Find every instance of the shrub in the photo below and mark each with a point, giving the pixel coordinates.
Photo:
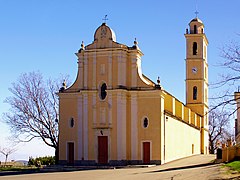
(46, 160)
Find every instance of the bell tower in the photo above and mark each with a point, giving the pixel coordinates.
(197, 76)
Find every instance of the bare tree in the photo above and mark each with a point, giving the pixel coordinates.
(231, 55)
(7, 151)
(34, 109)
(219, 130)
(229, 80)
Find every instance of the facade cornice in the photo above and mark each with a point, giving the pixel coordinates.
(103, 51)
(203, 35)
(197, 104)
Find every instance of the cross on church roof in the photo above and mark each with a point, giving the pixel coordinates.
(105, 19)
(196, 12)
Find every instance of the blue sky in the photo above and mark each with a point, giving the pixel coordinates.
(44, 35)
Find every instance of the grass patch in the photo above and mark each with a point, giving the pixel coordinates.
(21, 169)
(235, 165)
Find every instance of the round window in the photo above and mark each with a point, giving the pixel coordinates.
(103, 92)
(145, 122)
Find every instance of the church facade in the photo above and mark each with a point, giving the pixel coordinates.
(113, 114)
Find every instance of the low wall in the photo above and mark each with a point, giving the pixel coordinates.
(230, 153)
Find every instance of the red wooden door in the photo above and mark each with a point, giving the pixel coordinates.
(70, 153)
(146, 152)
(102, 149)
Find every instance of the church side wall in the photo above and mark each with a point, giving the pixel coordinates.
(181, 140)
(182, 133)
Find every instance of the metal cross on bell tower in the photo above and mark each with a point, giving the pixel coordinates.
(196, 12)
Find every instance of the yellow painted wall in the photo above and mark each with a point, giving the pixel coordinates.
(199, 119)
(179, 109)
(193, 118)
(67, 133)
(152, 132)
(186, 114)
(168, 103)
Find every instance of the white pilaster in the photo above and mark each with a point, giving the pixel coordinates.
(110, 71)
(134, 72)
(173, 106)
(80, 71)
(109, 109)
(85, 125)
(134, 128)
(121, 126)
(124, 126)
(80, 127)
(85, 63)
(94, 109)
(119, 69)
(122, 69)
(94, 70)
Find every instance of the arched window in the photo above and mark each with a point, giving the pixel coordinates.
(195, 29)
(194, 48)
(103, 92)
(195, 93)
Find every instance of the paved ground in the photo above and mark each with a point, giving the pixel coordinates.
(195, 167)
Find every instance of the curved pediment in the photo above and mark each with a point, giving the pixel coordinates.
(104, 37)
(104, 32)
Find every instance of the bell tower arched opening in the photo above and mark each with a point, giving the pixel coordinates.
(195, 29)
(195, 93)
(195, 48)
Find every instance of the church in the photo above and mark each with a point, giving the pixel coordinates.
(115, 115)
